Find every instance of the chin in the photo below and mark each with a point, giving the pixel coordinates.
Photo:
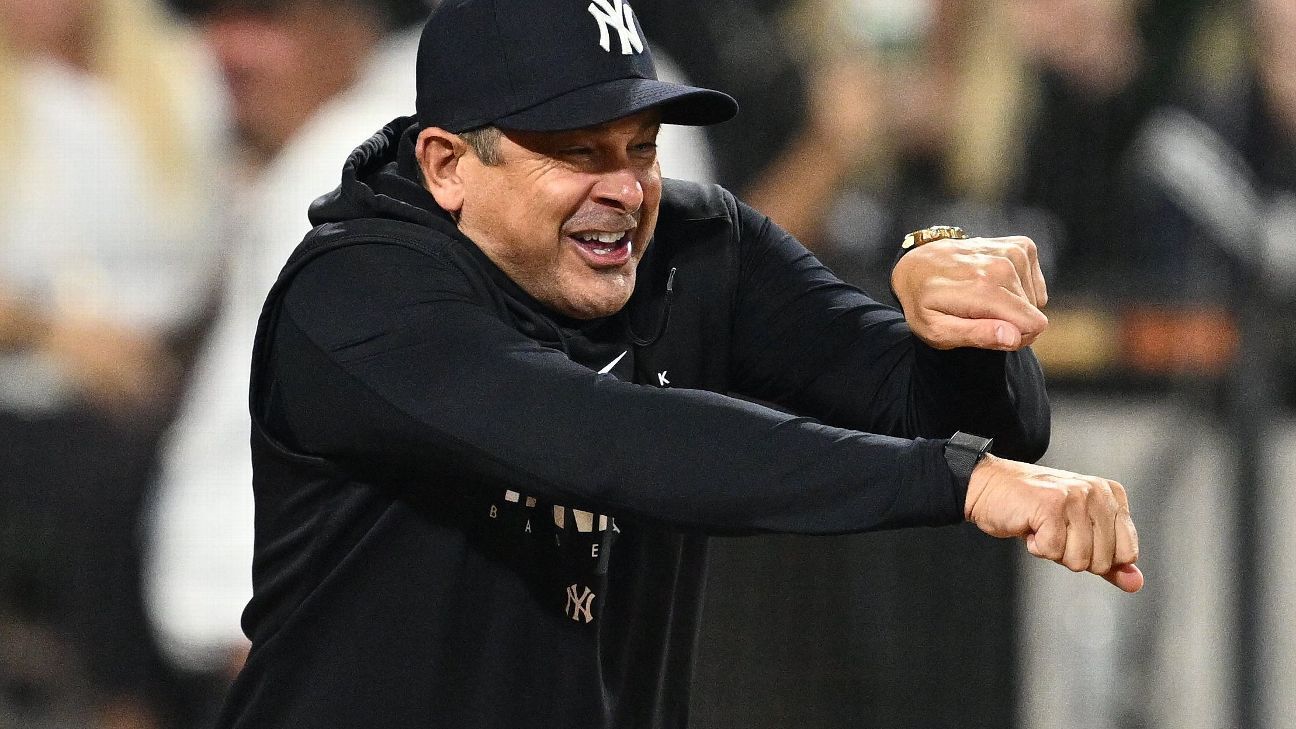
(599, 305)
(590, 294)
(595, 309)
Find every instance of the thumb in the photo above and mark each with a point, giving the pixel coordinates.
(951, 331)
(1127, 577)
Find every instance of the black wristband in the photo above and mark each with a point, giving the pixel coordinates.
(964, 451)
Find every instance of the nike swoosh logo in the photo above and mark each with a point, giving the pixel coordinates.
(613, 363)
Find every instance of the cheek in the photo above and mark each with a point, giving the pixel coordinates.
(652, 188)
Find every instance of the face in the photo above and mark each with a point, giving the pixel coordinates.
(568, 215)
(282, 65)
(45, 26)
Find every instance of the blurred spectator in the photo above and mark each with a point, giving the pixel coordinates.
(308, 81)
(1088, 56)
(1214, 175)
(733, 45)
(108, 128)
(1093, 71)
(802, 132)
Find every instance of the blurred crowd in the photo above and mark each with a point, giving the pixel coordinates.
(159, 159)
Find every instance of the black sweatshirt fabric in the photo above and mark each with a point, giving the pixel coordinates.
(473, 512)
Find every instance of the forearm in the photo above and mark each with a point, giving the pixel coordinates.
(908, 389)
(998, 395)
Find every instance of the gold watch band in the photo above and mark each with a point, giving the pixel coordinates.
(935, 232)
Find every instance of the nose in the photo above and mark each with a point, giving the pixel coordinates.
(620, 189)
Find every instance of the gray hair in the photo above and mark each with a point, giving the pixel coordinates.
(484, 142)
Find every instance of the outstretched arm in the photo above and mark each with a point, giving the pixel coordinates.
(384, 361)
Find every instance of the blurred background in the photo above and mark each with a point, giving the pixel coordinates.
(158, 160)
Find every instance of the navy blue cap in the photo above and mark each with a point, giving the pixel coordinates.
(546, 65)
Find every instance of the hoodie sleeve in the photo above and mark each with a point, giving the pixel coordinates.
(384, 361)
(804, 339)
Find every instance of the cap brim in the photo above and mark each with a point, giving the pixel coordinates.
(608, 100)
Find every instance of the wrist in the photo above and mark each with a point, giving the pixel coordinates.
(965, 453)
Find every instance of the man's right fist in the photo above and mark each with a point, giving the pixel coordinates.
(1082, 522)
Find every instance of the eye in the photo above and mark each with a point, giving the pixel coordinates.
(644, 148)
(576, 151)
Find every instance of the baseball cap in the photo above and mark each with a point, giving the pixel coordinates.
(546, 65)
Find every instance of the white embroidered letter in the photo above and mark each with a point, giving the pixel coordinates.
(618, 15)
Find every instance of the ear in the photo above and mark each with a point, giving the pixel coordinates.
(439, 153)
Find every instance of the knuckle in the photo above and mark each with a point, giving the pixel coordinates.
(984, 287)
(1100, 497)
(1077, 495)
(1053, 547)
(1075, 564)
(1110, 508)
(1001, 268)
(1017, 255)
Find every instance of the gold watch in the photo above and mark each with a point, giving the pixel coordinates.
(935, 232)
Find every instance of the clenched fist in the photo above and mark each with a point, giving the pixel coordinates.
(976, 292)
(1082, 522)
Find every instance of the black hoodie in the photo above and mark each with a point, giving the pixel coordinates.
(474, 512)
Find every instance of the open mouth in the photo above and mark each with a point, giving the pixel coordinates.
(603, 248)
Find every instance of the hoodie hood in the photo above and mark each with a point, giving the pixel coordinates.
(380, 180)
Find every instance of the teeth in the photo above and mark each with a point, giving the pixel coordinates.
(600, 237)
(605, 251)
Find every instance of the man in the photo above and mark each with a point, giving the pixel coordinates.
(295, 111)
(490, 432)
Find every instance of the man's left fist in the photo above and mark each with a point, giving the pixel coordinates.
(976, 292)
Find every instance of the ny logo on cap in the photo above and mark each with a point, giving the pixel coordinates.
(616, 14)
